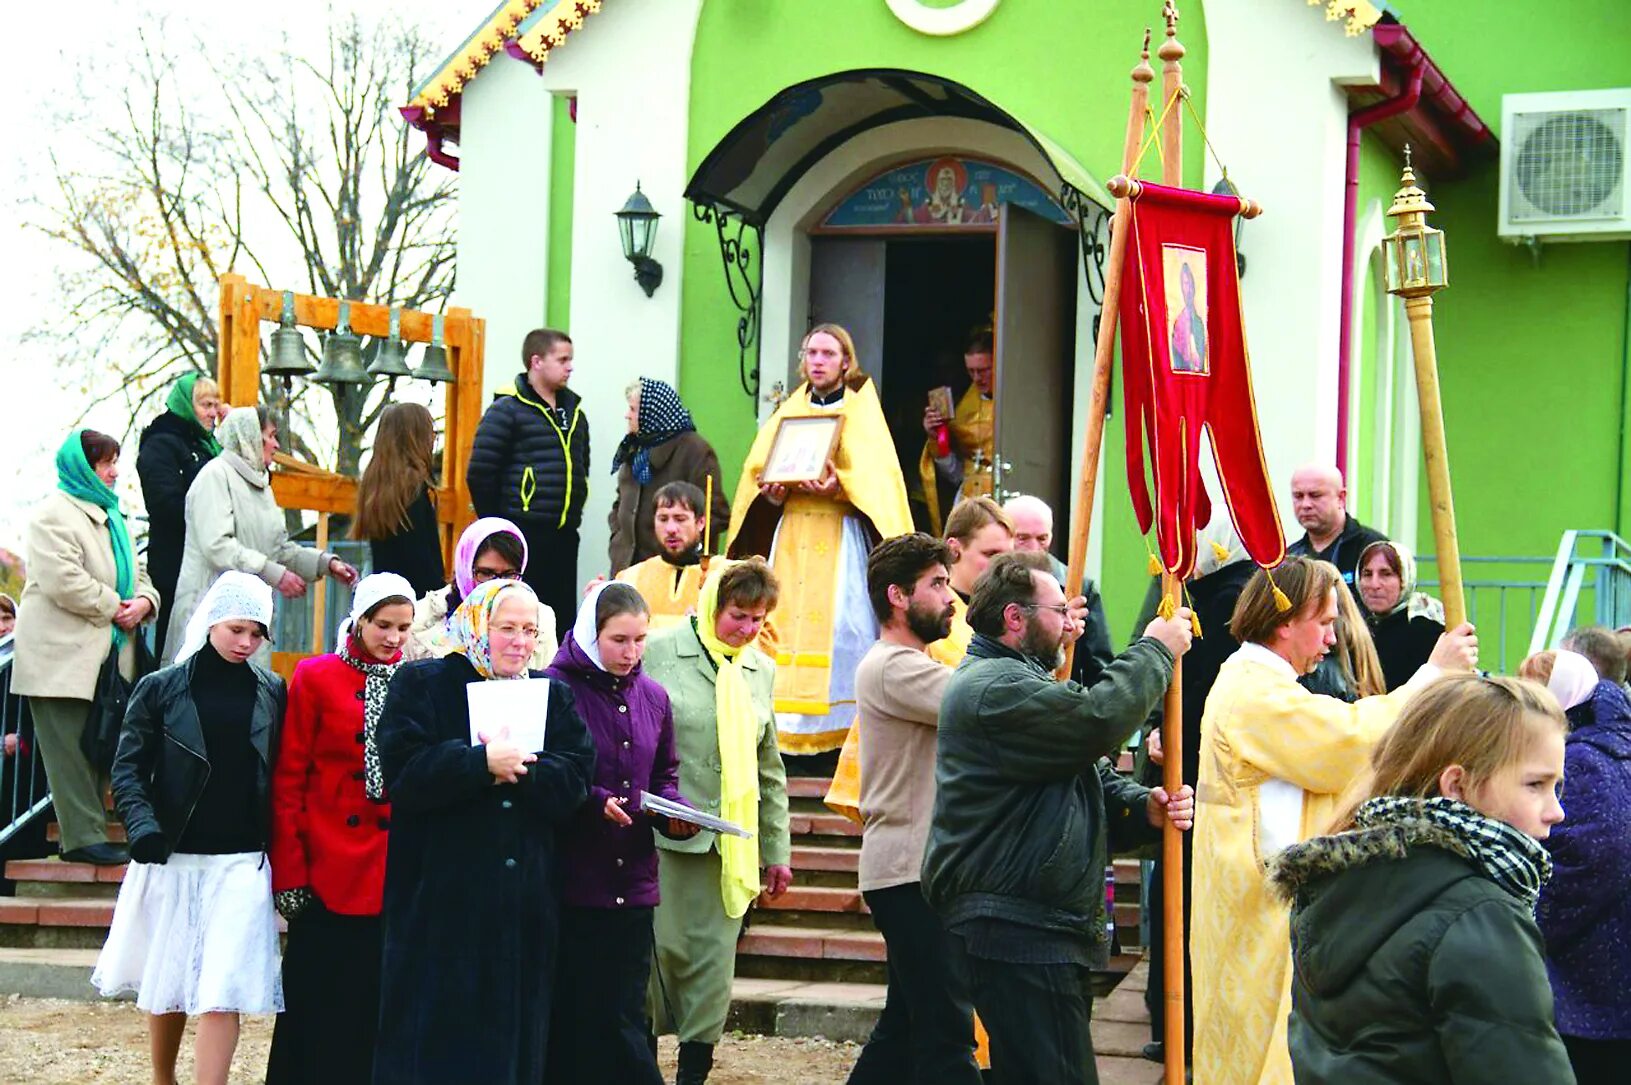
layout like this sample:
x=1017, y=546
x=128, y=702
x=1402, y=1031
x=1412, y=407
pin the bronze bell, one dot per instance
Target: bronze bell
x=286, y=357
x=342, y=354
x=433, y=366
x=391, y=360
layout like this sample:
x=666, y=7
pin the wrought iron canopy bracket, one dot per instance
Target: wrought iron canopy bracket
x=1093, y=233
x=741, y=251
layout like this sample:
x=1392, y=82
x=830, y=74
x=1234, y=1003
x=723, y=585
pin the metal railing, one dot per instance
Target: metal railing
x=292, y=624
x=24, y=794
x=1591, y=575
x=1504, y=597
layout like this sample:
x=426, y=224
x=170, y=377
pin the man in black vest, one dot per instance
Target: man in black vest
x=1319, y=499
x=530, y=464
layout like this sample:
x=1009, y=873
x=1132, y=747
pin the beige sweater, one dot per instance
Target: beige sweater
x=897, y=692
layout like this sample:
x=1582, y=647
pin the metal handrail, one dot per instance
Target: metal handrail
x=1609, y=583
x=24, y=792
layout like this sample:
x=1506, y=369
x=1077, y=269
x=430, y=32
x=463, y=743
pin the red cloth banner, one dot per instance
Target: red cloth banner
x=1183, y=348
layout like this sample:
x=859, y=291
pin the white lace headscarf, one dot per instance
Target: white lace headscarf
x=234, y=596
x=241, y=442
x=371, y=591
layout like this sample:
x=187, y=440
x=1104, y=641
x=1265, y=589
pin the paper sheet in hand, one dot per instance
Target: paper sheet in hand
x=522, y=705
x=656, y=804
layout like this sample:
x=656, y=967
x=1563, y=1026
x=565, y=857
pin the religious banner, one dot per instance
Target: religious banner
x=940, y=193
x=1186, y=368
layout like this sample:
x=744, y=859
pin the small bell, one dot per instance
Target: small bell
x=342, y=354
x=286, y=356
x=433, y=366
x=391, y=360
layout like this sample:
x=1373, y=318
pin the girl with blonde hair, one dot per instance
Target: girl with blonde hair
x=1413, y=934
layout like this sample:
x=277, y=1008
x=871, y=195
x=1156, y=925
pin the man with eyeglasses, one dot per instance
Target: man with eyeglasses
x=1014, y=865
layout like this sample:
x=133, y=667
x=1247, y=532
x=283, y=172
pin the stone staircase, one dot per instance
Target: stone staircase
x=815, y=947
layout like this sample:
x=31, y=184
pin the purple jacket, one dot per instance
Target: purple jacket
x=606, y=865
x=1585, y=910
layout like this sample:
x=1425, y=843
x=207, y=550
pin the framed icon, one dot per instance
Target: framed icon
x=802, y=448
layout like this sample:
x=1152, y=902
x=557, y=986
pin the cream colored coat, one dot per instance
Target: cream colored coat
x=65, y=617
x=233, y=524
x=1275, y=762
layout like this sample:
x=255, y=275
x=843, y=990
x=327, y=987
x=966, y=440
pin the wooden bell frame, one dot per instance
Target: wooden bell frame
x=297, y=484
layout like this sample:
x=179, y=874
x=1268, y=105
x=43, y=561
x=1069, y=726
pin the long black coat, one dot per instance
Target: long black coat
x=472, y=886
x=171, y=453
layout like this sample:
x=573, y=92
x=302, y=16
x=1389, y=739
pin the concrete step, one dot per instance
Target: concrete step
x=116, y=832
x=808, y=787
x=837, y=860
x=808, y=898
x=53, y=878
x=821, y=825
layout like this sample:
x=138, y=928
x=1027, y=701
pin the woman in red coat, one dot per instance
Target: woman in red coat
x=330, y=823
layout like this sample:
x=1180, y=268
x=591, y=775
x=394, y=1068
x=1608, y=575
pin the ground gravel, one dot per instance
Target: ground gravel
x=54, y=1042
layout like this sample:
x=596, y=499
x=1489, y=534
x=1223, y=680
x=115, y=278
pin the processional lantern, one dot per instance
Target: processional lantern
x=342, y=354
x=637, y=225
x=1415, y=258
x=287, y=356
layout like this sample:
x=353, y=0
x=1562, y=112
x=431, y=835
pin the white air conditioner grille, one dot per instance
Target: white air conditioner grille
x=1568, y=164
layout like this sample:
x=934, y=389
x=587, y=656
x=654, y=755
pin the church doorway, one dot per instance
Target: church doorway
x=912, y=287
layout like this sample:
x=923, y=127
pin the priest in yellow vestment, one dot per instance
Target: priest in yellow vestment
x=817, y=536
x=671, y=581
x=1275, y=761
x=965, y=470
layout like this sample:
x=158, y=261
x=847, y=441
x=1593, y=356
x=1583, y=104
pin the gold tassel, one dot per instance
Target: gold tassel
x=1156, y=568
x=1194, y=624
x=1221, y=551
x=1282, y=602
x=1167, y=607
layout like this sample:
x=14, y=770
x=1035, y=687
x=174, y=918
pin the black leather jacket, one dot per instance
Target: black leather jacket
x=161, y=767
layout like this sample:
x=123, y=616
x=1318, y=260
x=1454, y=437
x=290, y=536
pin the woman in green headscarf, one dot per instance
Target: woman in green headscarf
x=173, y=449
x=86, y=595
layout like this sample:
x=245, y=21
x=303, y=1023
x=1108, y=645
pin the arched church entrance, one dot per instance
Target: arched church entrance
x=915, y=212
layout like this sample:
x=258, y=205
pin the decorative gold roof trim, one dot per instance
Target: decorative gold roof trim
x=449, y=81
x=1360, y=15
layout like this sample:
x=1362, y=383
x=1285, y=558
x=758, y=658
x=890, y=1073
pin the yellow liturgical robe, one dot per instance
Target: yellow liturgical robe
x=973, y=431
x=818, y=547
x=1275, y=762
x=670, y=591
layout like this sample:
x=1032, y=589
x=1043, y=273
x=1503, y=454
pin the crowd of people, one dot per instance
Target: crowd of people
x=1389, y=881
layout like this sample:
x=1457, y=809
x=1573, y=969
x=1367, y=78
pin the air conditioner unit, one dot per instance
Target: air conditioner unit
x=1566, y=166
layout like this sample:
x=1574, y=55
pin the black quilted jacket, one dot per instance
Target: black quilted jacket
x=530, y=463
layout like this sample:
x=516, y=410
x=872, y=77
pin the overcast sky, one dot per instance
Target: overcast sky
x=36, y=408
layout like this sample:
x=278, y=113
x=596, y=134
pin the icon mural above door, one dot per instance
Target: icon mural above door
x=947, y=192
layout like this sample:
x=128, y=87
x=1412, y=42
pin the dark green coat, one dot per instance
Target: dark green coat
x=1022, y=805
x=1411, y=966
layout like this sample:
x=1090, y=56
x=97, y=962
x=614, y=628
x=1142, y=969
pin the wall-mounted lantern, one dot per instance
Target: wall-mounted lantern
x=637, y=224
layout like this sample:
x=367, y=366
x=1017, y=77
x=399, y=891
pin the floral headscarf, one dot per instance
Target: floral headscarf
x=662, y=417
x=464, y=554
x=468, y=625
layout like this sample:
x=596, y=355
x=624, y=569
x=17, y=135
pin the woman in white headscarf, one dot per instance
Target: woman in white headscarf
x=1404, y=622
x=330, y=825
x=233, y=522
x=193, y=931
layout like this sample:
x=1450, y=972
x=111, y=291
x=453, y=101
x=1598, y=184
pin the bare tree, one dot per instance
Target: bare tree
x=293, y=170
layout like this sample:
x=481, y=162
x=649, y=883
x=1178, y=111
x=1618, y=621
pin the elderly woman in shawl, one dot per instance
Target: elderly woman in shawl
x=492, y=548
x=719, y=686
x=661, y=446
x=174, y=447
x=86, y=594
x=1404, y=623
x=233, y=522
x=472, y=885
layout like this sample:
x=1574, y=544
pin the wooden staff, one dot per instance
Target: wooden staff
x=319, y=603
x=707, y=523
x=1172, y=724
x=1104, y=353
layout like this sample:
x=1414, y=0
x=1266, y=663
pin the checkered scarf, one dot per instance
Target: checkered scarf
x=1511, y=858
x=662, y=417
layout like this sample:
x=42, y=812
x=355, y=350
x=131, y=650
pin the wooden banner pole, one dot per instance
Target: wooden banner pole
x=1419, y=312
x=1104, y=353
x=1172, y=725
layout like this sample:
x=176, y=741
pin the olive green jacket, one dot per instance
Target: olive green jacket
x=676, y=659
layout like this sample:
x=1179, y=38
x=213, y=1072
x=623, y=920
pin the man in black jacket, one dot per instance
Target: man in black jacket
x=1319, y=499
x=530, y=465
x=1017, y=841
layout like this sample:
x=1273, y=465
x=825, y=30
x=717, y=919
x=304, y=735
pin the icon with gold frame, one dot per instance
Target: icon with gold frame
x=801, y=449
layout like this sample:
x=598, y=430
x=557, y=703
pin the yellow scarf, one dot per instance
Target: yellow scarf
x=738, y=727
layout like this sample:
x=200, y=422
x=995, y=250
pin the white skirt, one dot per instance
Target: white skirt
x=197, y=934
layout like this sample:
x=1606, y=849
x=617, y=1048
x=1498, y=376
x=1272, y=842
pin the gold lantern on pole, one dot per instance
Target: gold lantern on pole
x=1417, y=268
